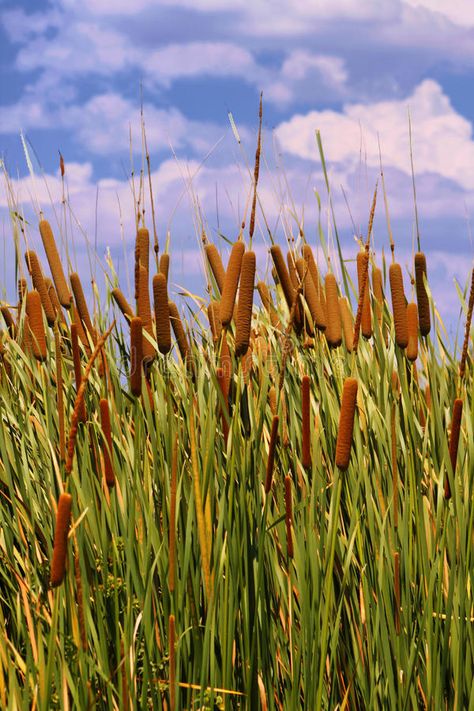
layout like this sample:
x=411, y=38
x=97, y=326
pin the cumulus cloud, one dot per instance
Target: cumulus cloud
x=443, y=138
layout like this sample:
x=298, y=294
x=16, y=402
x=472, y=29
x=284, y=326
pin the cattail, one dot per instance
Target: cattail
x=244, y=310
x=377, y=286
x=171, y=625
x=272, y=400
x=231, y=282
x=399, y=305
x=142, y=250
x=59, y=393
x=162, y=313
x=81, y=305
x=313, y=270
x=288, y=516
x=283, y=275
x=224, y=382
x=165, y=265
x=428, y=397
x=136, y=355
x=122, y=303
x=63, y=521
x=412, y=328
x=214, y=319
x=421, y=294
x=107, y=442
x=396, y=390
x=347, y=323
x=306, y=430
x=267, y=302
x=396, y=585
x=172, y=519
x=22, y=290
x=53, y=297
x=178, y=329
x=64, y=295
x=256, y=171
x=76, y=359
x=346, y=423
x=362, y=276
x=290, y=260
x=311, y=295
x=271, y=454
x=453, y=443
x=470, y=308
x=9, y=321
x=333, y=330
x=215, y=262
x=144, y=312
x=34, y=268
x=35, y=324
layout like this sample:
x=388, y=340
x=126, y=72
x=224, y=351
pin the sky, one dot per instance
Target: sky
x=75, y=74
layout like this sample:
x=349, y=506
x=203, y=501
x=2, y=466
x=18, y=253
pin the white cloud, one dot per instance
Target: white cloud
x=459, y=12
x=304, y=73
x=443, y=141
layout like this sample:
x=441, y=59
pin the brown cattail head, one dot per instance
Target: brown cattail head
x=347, y=322
x=421, y=294
x=81, y=305
x=35, y=324
x=291, y=261
x=399, y=305
x=271, y=454
x=165, y=265
x=214, y=319
x=136, y=355
x=224, y=382
x=453, y=443
x=333, y=330
x=231, y=282
x=244, y=310
x=377, y=286
x=267, y=302
x=10, y=323
x=288, y=516
x=64, y=295
x=22, y=289
x=346, y=423
x=53, y=297
x=107, y=442
x=142, y=255
x=122, y=303
x=34, y=268
x=283, y=275
x=470, y=309
x=313, y=270
x=412, y=328
x=63, y=521
x=215, y=262
x=311, y=294
x=363, y=281
x=162, y=313
x=179, y=333
x=306, y=418
x=76, y=359
x=144, y=312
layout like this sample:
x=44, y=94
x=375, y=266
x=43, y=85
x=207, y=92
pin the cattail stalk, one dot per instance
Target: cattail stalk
x=306, y=427
x=231, y=282
x=244, y=310
x=172, y=522
x=288, y=516
x=76, y=359
x=256, y=170
x=63, y=521
x=59, y=393
x=35, y=324
x=346, y=423
x=136, y=355
x=454, y=443
x=204, y=542
x=271, y=454
x=399, y=305
x=79, y=596
x=333, y=330
x=421, y=294
x=172, y=653
x=393, y=433
x=470, y=308
x=224, y=382
x=34, y=268
x=412, y=329
x=396, y=586
x=107, y=442
x=162, y=313
x=52, y=254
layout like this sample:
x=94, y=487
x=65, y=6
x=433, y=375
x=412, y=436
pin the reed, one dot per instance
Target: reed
x=346, y=423
x=162, y=313
x=231, y=282
x=34, y=312
x=421, y=294
x=136, y=355
x=271, y=454
x=215, y=262
x=34, y=268
x=333, y=330
x=52, y=254
x=63, y=522
x=399, y=305
x=306, y=426
x=412, y=329
x=454, y=443
x=244, y=309
x=107, y=442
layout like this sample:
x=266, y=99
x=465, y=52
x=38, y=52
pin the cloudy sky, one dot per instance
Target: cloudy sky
x=72, y=78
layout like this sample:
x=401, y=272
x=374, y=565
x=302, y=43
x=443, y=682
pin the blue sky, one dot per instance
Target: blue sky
x=71, y=74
